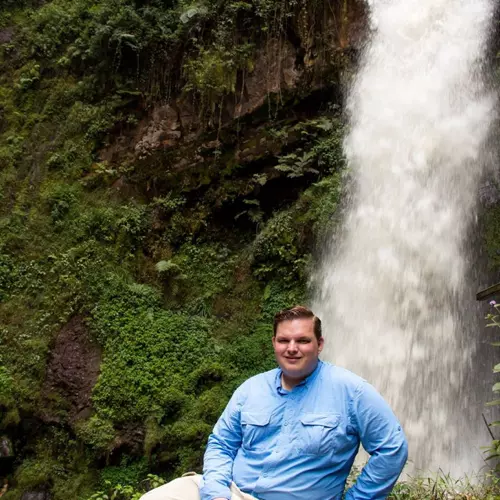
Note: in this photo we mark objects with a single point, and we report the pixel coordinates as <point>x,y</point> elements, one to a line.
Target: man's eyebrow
<point>285,337</point>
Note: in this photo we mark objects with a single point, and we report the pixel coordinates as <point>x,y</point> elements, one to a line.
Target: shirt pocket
<point>255,429</point>
<point>319,432</point>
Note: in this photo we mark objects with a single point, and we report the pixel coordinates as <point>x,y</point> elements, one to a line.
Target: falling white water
<point>389,287</point>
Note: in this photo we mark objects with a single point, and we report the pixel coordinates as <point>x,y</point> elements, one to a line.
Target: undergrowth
<point>174,288</point>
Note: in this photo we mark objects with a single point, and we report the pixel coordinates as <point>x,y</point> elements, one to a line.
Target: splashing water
<point>389,287</point>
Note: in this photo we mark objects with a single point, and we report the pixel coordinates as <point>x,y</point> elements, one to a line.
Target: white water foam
<point>389,286</point>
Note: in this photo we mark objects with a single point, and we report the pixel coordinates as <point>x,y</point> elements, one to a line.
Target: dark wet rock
<point>6,448</point>
<point>293,66</point>
<point>36,495</point>
<point>6,35</point>
<point>489,192</point>
<point>72,372</point>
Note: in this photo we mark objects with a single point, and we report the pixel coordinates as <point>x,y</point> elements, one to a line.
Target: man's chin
<point>293,372</point>
<point>296,371</point>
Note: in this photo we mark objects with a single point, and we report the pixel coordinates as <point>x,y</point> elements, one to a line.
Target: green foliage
<point>439,486</point>
<point>82,32</point>
<point>276,249</point>
<point>7,275</point>
<point>30,74</point>
<point>297,164</point>
<point>252,353</point>
<point>444,487</point>
<point>6,387</point>
<point>318,147</point>
<point>279,295</point>
<point>117,491</point>
<point>128,473</point>
<point>60,198</point>
<point>317,208</point>
<point>282,248</point>
<point>96,432</point>
<point>179,303</point>
<point>206,271</point>
<point>58,462</point>
<point>147,357</point>
<point>493,451</point>
<point>213,72</point>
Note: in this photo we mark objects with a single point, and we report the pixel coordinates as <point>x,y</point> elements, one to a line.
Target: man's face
<point>296,347</point>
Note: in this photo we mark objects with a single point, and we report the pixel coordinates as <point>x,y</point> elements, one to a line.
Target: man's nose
<point>292,346</point>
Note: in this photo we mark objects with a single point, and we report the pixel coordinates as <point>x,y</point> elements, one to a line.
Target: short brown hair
<point>297,312</point>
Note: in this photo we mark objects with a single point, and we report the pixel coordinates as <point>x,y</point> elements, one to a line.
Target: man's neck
<point>289,383</point>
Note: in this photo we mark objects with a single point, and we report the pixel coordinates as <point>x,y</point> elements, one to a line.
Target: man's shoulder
<point>259,380</point>
<point>340,376</point>
<point>269,376</point>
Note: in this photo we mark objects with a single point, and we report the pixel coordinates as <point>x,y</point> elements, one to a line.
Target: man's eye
<point>282,341</point>
<point>304,341</point>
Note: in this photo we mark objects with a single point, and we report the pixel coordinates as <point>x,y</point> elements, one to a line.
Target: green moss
<point>96,432</point>
<point>129,472</point>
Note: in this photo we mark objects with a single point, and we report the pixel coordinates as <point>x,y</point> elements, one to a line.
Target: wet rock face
<point>35,495</point>
<point>294,65</point>
<point>72,372</point>
<point>6,449</point>
<point>6,35</point>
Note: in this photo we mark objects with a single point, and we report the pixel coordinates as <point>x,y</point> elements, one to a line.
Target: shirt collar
<point>304,382</point>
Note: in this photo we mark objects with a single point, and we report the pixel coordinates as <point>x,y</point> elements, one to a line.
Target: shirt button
<point>265,474</point>
<point>286,422</point>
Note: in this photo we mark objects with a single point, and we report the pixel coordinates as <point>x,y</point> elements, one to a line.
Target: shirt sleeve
<point>223,444</point>
<point>383,438</point>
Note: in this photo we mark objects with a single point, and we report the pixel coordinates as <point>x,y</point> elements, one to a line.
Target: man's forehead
<point>296,326</point>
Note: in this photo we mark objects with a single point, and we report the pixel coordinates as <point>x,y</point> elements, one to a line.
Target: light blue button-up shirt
<point>300,444</point>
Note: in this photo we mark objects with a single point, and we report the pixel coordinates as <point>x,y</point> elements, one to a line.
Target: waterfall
<point>390,286</point>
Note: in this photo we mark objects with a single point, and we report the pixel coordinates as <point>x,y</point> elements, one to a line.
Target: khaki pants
<point>187,488</point>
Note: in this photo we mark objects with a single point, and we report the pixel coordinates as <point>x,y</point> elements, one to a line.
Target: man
<point>292,433</point>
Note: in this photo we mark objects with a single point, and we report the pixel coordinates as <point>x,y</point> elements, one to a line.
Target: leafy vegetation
<point>444,487</point>
<point>493,452</point>
<point>173,274</point>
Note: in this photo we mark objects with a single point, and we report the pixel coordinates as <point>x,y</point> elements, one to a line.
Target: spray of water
<point>389,286</point>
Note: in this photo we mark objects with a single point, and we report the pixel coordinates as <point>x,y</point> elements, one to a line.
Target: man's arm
<point>383,438</point>
<point>223,444</point>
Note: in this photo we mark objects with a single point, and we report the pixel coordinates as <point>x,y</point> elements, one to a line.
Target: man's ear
<point>321,343</point>
<point>274,340</point>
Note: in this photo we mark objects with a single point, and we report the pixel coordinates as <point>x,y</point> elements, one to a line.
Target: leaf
<point>192,12</point>
<point>312,171</point>
<point>252,202</point>
<point>283,167</point>
<point>166,266</point>
<point>260,179</point>
<point>325,125</point>
<point>495,402</point>
<point>237,216</point>
<point>496,387</point>
<point>496,368</point>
